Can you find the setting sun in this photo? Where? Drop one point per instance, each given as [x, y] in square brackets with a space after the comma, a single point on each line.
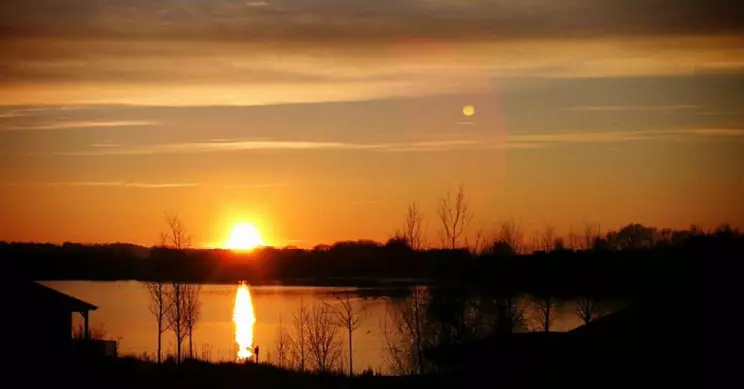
[244, 236]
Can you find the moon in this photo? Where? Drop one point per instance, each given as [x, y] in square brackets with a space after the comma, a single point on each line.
[468, 110]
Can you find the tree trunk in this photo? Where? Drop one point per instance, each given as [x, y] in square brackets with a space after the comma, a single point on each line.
[160, 332]
[418, 337]
[178, 346]
[191, 345]
[179, 322]
[351, 362]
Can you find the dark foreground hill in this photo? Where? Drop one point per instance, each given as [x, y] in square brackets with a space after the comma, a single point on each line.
[616, 371]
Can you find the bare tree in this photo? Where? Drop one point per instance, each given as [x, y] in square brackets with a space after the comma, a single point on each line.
[588, 309]
[545, 306]
[192, 312]
[97, 332]
[176, 315]
[548, 239]
[300, 324]
[322, 337]
[158, 306]
[591, 235]
[510, 234]
[508, 315]
[533, 244]
[455, 214]
[349, 319]
[573, 240]
[176, 238]
[282, 345]
[395, 353]
[480, 243]
[413, 229]
[405, 334]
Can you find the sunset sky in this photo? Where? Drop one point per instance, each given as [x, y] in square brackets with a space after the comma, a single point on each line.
[320, 120]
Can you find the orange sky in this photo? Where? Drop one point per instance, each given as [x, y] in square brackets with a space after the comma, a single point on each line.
[320, 121]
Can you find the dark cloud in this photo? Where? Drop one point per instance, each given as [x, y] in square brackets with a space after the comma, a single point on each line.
[365, 20]
[278, 51]
[163, 70]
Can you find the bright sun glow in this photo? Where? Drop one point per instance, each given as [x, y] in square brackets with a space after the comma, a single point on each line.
[244, 236]
[244, 319]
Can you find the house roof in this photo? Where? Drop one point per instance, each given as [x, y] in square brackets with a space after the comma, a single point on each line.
[47, 297]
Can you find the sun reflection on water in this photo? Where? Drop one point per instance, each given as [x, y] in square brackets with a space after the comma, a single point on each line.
[244, 319]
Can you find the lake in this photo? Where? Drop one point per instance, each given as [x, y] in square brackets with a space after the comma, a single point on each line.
[124, 315]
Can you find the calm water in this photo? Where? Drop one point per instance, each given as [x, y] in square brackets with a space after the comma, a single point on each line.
[124, 315]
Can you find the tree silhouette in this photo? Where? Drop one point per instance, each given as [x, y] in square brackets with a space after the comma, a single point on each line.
[455, 215]
[545, 306]
[547, 240]
[349, 319]
[406, 335]
[587, 309]
[300, 324]
[449, 313]
[480, 243]
[97, 332]
[177, 315]
[192, 312]
[322, 338]
[413, 230]
[158, 307]
[510, 239]
[502, 249]
[508, 315]
[175, 236]
[591, 234]
[632, 237]
[283, 346]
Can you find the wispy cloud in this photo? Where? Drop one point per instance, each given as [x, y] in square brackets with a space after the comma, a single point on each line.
[362, 22]
[580, 137]
[510, 141]
[72, 125]
[292, 242]
[236, 73]
[120, 184]
[623, 136]
[262, 185]
[431, 146]
[148, 185]
[252, 4]
[717, 131]
[623, 108]
[28, 111]
[720, 113]
[104, 145]
[13, 114]
[250, 145]
[176, 52]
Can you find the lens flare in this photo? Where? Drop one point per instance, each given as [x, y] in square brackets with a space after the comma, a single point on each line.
[244, 319]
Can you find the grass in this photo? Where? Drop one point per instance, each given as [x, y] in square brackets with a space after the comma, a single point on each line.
[132, 372]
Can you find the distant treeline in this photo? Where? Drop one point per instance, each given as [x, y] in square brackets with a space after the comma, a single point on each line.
[630, 260]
